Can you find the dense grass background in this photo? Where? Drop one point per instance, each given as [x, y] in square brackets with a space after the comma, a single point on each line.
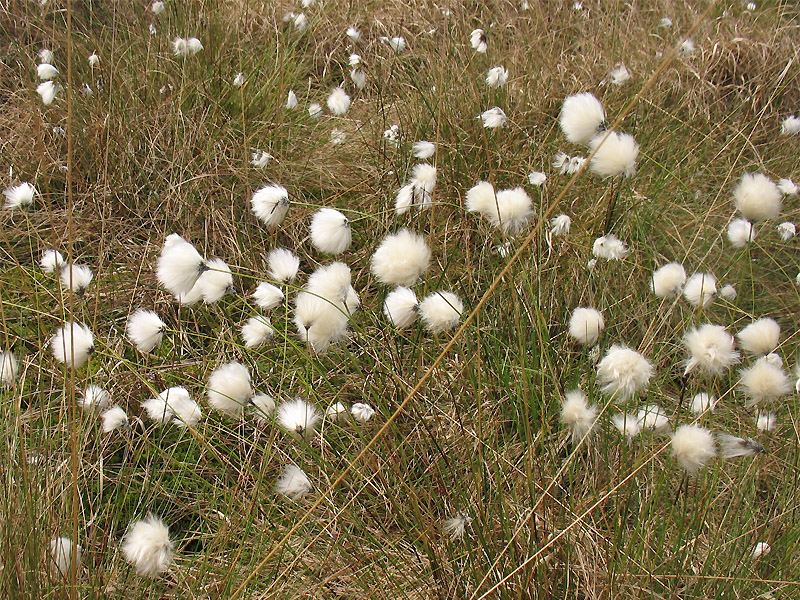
[163, 145]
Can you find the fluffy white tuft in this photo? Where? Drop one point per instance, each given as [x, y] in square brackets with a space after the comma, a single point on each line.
[741, 232]
[577, 415]
[47, 90]
[46, 71]
[759, 550]
[585, 325]
[330, 231]
[537, 178]
[257, 331]
[114, 418]
[623, 372]
[787, 230]
[582, 118]
[497, 77]
[19, 195]
[401, 258]
[477, 40]
[700, 289]
[401, 307]
[76, 278]
[283, 265]
[668, 280]
[560, 225]
[787, 187]
[731, 446]
[359, 78]
[291, 100]
[147, 546]
[711, 350]
[179, 265]
[627, 424]
[298, 418]
[9, 369]
[404, 199]
[323, 308]
[268, 296]
[493, 118]
[510, 210]
[145, 330]
[440, 311]
[263, 407]
[423, 180]
[703, 402]
[456, 526]
[760, 337]
[766, 421]
[336, 411]
[615, 154]
[353, 33]
[619, 75]
[757, 197]
[51, 260]
[362, 412]
[270, 204]
[728, 292]
[229, 388]
[293, 483]
[212, 284]
[260, 159]
[790, 125]
[764, 382]
[72, 344]
[63, 551]
[423, 149]
[609, 247]
[94, 398]
[693, 447]
[338, 101]
[653, 418]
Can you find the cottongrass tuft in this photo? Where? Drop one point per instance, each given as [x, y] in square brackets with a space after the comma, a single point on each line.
[359, 78]
[790, 125]
[9, 369]
[741, 232]
[423, 180]
[263, 407]
[787, 231]
[764, 382]
[585, 325]
[270, 204]
[401, 258]
[146, 545]
[283, 265]
[229, 388]
[330, 231]
[113, 419]
[731, 446]
[668, 280]
[94, 398]
[509, 210]
[627, 424]
[757, 197]
[441, 311]
[19, 195]
[72, 344]
[711, 350]
[260, 159]
[291, 100]
[620, 75]
[760, 337]
[298, 418]
[268, 296]
[76, 278]
[315, 110]
[336, 411]
[456, 526]
[257, 331]
[652, 417]
[538, 179]
[362, 412]
[215, 281]
[293, 483]
[700, 289]
[145, 330]
[401, 307]
[423, 149]
[493, 118]
[179, 265]
[46, 71]
[702, 402]
[497, 77]
[560, 225]
[577, 415]
[623, 372]
[609, 247]
[582, 118]
[64, 553]
[766, 421]
[47, 90]
[693, 447]
[51, 260]
[728, 292]
[787, 187]
[353, 33]
[477, 40]
[760, 550]
[338, 102]
[614, 154]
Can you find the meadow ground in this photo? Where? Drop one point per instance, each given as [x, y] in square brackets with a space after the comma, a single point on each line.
[145, 143]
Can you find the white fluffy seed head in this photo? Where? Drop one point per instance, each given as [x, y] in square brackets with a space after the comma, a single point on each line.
[757, 197]
[693, 447]
[72, 344]
[257, 331]
[653, 418]
[76, 278]
[619, 75]
[229, 389]
[114, 418]
[423, 149]
[759, 550]
[515, 211]
[95, 398]
[711, 350]
[362, 412]
[585, 325]
[213, 283]
[731, 446]
[560, 225]
[330, 231]
[787, 230]
[145, 330]
[481, 199]
[263, 407]
[703, 402]
[440, 311]
[401, 258]
[268, 296]
[63, 551]
[668, 280]
[790, 125]
[270, 204]
[293, 483]
[766, 421]
[283, 265]
[19, 195]
[609, 247]
[404, 199]
[147, 546]
[401, 307]
[764, 382]
[338, 101]
[623, 372]
[336, 411]
[700, 289]
[179, 265]
[497, 77]
[46, 71]
[787, 187]
[298, 418]
[9, 369]
[477, 40]
[615, 154]
[582, 118]
[627, 424]
[51, 260]
[291, 100]
[423, 180]
[359, 78]
[577, 415]
[353, 33]
[493, 118]
[760, 337]
[47, 90]
[740, 233]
